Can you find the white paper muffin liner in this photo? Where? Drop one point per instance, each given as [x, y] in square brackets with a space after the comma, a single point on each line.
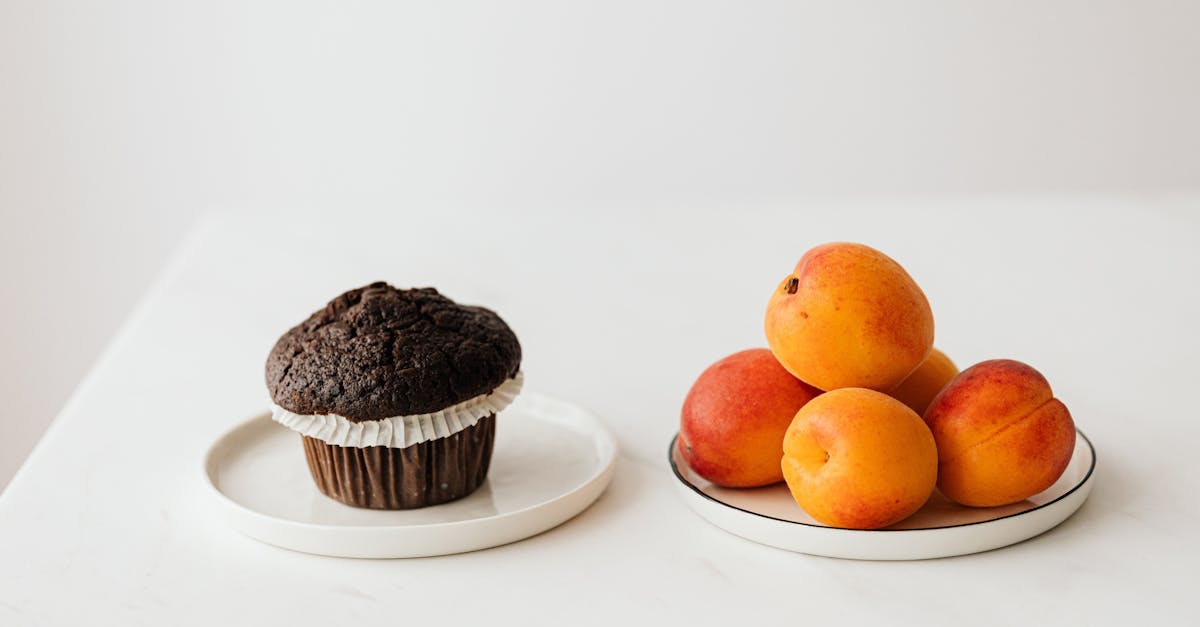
[400, 431]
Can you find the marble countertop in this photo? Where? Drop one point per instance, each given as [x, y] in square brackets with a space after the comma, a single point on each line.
[108, 521]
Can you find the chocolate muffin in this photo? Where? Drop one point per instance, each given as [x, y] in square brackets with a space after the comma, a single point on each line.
[395, 394]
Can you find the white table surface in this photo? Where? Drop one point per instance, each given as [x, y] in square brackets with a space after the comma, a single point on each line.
[108, 521]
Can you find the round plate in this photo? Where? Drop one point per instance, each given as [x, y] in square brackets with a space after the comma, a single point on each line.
[941, 528]
[552, 459]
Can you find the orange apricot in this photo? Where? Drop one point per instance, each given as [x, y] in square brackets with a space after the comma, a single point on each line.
[859, 459]
[849, 316]
[918, 390]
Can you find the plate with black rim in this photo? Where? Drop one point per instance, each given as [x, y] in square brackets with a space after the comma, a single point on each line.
[770, 516]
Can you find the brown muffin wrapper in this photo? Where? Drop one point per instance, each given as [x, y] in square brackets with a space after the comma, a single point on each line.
[381, 477]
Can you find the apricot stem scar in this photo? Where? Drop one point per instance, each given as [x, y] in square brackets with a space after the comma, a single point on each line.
[793, 284]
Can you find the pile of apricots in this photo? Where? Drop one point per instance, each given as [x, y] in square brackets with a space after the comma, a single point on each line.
[856, 410]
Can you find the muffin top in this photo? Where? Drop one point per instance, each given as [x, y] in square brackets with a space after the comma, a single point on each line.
[378, 351]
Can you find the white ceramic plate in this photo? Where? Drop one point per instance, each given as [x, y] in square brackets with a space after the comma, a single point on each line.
[939, 529]
[551, 460]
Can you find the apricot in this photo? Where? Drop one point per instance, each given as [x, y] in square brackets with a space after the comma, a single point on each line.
[919, 389]
[859, 459]
[1001, 435]
[849, 316]
[734, 417]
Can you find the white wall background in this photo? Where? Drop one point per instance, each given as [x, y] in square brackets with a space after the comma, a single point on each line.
[121, 121]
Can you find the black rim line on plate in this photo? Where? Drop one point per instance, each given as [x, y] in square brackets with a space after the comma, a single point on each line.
[680, 477]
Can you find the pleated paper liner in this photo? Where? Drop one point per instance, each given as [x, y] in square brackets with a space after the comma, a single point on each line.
[401, 431]
[422, 474]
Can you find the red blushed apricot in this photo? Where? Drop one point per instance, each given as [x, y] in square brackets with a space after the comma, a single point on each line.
[849, 316]
[919, 389]
[734, 417]
[1001, 435]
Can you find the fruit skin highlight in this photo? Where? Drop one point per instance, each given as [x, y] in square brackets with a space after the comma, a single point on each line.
[1001, 435]
[849, 316]
[920, 388]
[859, 459]
[734, 417]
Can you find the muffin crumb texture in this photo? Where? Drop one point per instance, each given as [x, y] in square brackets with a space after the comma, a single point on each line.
[378, 351]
